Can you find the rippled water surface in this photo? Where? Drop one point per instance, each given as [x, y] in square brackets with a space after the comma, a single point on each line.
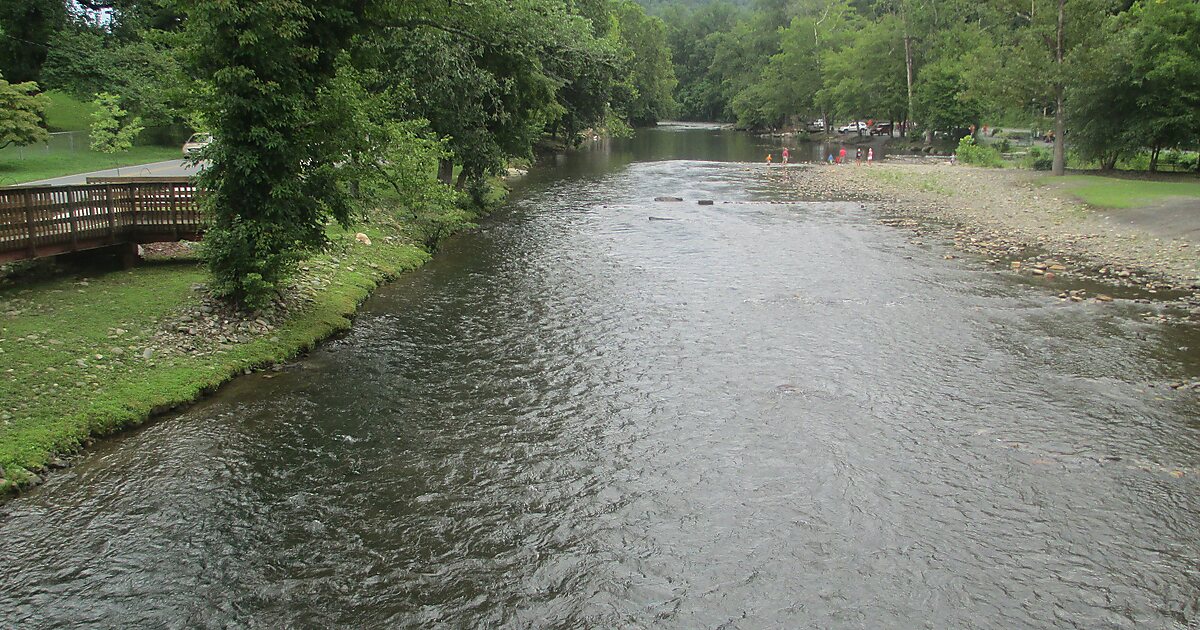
[602, 411]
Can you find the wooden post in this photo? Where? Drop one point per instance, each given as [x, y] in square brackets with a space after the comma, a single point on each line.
[29, 223]
[174, 223]
[134, 195]
[71, 214]
[129, 255]
[112, 213]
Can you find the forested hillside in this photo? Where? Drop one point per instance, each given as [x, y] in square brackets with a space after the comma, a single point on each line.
[1119, 75]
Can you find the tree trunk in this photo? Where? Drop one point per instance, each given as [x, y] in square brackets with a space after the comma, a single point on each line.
[462, 180]
[1109, 163]
[445, 171]
[1060, 125]
[908, 63]
[1154, 152]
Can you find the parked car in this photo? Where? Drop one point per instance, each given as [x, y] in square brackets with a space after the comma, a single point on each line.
[196, 143]
[881, 129]
[853, 127]
[817, 125]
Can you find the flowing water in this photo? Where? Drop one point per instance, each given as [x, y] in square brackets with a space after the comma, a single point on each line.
[756, 414]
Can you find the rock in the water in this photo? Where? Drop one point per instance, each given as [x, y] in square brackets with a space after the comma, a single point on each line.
[661, 218]
[705, 202]
[668, 198]
[1100, 297]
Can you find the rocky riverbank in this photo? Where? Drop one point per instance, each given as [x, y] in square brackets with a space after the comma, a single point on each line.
[1018, 223]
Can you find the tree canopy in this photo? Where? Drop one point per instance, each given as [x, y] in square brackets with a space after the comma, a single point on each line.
[1119, 76]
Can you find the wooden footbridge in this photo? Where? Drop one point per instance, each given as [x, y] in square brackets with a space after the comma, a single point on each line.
[39, 221]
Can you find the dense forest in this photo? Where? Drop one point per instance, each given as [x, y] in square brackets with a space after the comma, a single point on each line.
[1119, 76]
[322, 108]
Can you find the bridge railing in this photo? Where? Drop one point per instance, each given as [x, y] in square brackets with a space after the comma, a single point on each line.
[37, 221]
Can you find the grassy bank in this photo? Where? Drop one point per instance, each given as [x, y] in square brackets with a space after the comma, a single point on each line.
[88, 355]
[1114, 192]
[67, 113]
[30, 164]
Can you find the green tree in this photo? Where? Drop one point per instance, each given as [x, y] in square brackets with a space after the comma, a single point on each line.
[113, 128]
[1166, 73]
[1138, 84]
[691, 35]
[649, 64]
[273, 179]
[145, 71]
[22, 111]
[27, 27]
[492, 77]
[866, 78]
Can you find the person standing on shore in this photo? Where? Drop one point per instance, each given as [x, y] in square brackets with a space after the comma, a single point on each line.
[842, 156]
[870, 155]
[786, 155]
[768, 159]
[858, 155]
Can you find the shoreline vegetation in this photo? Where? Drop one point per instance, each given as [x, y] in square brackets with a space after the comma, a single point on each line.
[1036, 226]
[88, 354]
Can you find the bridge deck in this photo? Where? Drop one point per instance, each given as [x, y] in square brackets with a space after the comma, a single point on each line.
[38, 221]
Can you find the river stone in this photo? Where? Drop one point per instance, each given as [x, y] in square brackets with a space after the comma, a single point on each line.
[668, 198]
[705, 202]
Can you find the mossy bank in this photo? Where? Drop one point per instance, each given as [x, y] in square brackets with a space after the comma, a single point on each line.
[86, 355]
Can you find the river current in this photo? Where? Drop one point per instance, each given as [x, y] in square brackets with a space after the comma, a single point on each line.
[602, 411]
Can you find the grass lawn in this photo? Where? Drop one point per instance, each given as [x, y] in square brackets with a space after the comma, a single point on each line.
[1113, 192]
[66, 113]
[28, 164]
[80, 355]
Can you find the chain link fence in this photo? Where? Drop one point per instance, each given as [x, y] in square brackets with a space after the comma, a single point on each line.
[78, 141]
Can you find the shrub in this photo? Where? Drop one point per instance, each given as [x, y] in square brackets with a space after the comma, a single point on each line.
[1179, 160]
[1038, 159]
[970, 153]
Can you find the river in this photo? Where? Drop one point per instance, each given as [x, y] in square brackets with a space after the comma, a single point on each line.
[761, 413]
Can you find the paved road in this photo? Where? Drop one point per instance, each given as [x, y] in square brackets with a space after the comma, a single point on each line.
[169, 168]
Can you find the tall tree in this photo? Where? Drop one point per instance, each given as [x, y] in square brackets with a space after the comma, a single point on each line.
[649, 64]
[273, 180]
